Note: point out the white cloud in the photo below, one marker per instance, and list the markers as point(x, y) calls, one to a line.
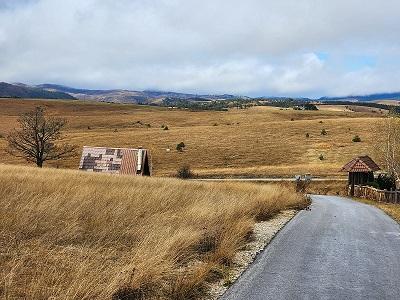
point(255, 47)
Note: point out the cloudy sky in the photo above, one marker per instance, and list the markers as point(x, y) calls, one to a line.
point(253, 47)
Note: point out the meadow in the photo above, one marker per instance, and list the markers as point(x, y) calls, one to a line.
point(254, 142)
point(66, 234)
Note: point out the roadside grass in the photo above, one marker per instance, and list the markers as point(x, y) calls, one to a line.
point(256, 142)
point(329, 187)
point(73, 235)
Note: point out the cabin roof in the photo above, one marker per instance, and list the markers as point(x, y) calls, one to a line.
point(126, 161)
point(361, 164)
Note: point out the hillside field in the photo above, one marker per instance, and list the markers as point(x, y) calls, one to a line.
point(67, 234)
point(259, 141)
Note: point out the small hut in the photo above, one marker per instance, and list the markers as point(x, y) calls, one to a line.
point(361, 170)
point(124, 161)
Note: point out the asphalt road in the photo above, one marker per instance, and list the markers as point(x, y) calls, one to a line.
point(341, 249)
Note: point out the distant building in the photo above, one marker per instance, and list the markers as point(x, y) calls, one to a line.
point(122, 161)
point(361, 170)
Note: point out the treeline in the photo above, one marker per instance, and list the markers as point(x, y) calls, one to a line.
point(199, 103)
point(392, 108)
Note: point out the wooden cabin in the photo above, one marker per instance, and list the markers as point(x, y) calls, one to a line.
point(361, 170)
point(124, 161)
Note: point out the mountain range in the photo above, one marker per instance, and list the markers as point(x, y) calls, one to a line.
point(55, 91)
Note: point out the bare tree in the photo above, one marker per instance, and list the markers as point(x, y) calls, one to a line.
point(387, 145)
point(35, 140)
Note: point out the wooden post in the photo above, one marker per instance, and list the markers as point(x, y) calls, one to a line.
point(352, 189)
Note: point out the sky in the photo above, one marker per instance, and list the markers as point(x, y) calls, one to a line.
point(306, 48)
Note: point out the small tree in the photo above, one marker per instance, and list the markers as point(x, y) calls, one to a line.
point(387, 145)
point(166, 128)
point(356, 139)
point(307, 135)
point(35, 140)
point(323, 132)
point(184, 172)
point(180, 146)
point(321, 157)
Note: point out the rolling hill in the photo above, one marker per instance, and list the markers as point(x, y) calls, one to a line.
point(23, 91)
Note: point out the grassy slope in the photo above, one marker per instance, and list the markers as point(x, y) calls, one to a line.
point(75, 235)
point(260, 141)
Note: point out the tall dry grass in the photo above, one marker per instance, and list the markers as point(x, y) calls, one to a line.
point(74, 235)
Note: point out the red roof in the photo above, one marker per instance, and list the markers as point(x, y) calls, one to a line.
point(361, 164)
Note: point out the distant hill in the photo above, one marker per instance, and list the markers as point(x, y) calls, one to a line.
point(129, 96)
point(364, 98)
point(23, 91)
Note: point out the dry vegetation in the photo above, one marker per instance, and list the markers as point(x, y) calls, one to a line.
point(74, 235)
point(326, 187)
point(260, 141)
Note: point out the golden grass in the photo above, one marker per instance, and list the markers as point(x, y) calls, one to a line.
point(260, 141)
point(74, 235)
point(328, 187)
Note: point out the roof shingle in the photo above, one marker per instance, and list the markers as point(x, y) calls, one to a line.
point(361, 164)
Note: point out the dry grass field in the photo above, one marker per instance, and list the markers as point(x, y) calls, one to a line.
point(260, 141)
point(67, 234)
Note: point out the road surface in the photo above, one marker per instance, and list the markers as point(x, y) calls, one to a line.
point(341, 249)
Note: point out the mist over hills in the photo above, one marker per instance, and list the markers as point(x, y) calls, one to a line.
point(55, 91)
point(25, 91)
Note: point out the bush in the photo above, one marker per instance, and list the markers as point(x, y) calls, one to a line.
point(356, 139)
point(307, 135)
point(386, 182)
point(373, 184)
point(180, 146)
point(323, 132)
point(184, 172)
point(166, 128)
point(321, 157)
point(310, 106)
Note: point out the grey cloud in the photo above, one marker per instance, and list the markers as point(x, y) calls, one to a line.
point(249, 47)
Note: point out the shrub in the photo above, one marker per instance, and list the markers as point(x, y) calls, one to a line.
point(166, 128)
point(321, 157)
point(386, 182)
point(307, 135)
point(356, 139)
point(373, 184)
point(184, 172)
point(323, 132)
point(310, 106)
point(291, 119)
point(180, 146)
